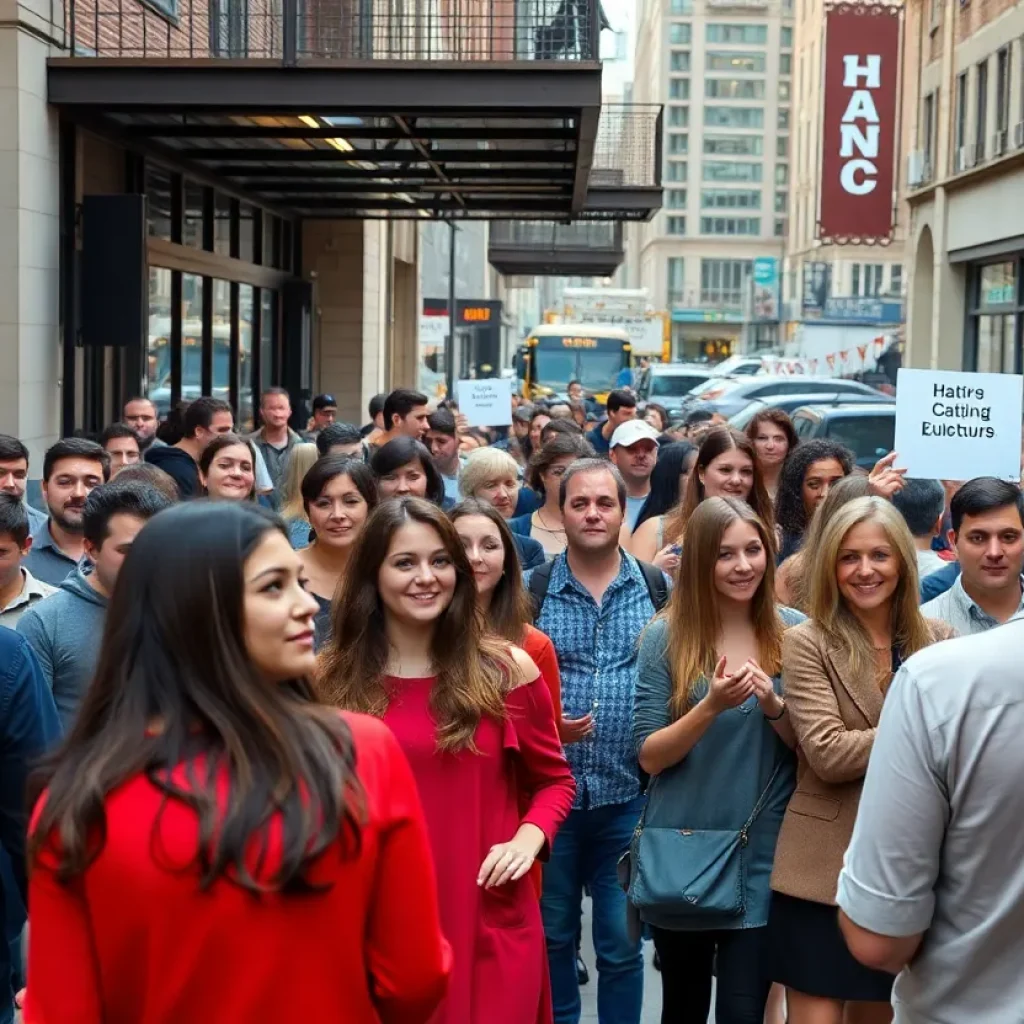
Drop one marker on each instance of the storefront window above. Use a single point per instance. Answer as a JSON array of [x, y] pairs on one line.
[[191, 336], [221, 224], [995, 318], [996, 344], [998, 285], [246, 215], [158, 202], [245, 314], [158, 345], [268, 332], [192, 232], [221, 331]]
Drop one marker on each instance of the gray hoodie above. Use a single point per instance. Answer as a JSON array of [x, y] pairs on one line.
[[65, 631]]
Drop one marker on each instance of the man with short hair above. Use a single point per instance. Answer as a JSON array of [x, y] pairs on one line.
[[14, 477], [203, 420], [922, 503], [405, 415], [65, 630], [933, 878], [443, 442], [596, 605], [634, 451], [275, 439], [341, 439], [325, 412], [122, 444], [72, 469], [988, 537], [621, 406], [19, 589], [140, 414], [372, 430]]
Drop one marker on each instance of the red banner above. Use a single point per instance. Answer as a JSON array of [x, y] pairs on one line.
[[862, 47]]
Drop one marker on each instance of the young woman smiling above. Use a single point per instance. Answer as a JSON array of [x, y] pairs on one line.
[[213, 844], [865, 621], [476, 721], [338, 495], [772, 434], [710, 727], [226, 469]]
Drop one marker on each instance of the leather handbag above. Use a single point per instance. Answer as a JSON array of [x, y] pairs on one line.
[[701, 872]]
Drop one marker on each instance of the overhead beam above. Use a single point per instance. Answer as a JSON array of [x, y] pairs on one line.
[[380, 156], [250, 174], [586, 136], [350, 132], [470, 203]]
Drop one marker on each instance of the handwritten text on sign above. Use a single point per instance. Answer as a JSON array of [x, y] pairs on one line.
[[486, 403], [956, 426]]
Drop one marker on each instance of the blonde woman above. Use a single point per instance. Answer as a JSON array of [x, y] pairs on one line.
[[864, 621], [293, 512], [710, 726]]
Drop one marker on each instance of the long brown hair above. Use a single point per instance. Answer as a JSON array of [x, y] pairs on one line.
[[693, 616], [510, 610], [473, 668], [717, 441]]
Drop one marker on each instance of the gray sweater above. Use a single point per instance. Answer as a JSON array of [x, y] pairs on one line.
[[65, 631]]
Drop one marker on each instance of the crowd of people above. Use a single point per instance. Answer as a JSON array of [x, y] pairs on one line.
[[344, 723]]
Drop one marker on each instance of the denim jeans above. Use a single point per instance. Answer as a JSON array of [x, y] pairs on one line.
[[586, 851]]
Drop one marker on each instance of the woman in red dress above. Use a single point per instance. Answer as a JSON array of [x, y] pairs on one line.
[[476, 720], [212, 844]]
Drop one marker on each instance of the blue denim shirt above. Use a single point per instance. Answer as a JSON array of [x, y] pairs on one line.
[[597, 650]]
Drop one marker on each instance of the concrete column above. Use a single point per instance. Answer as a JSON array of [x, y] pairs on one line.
[[29, 238]]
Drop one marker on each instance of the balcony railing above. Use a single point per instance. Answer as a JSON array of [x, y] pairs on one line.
[[628, 145], [584, 248], [290, 31]]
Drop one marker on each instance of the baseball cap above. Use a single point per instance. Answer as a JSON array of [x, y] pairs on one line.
[[324, 402], [631, 431]]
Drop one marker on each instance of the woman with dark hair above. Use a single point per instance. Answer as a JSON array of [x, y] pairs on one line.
[[475, 718], [338, 495], [658, 417], [544, 475], [403, 468], [668, 481], [774, 437], [213, 843], [227, 469], [726, 467]]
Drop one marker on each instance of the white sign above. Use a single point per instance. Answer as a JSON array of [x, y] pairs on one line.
[[485, 403], [956, 426], [433, 330]]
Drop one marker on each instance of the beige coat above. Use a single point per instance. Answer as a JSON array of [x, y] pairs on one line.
[[834, 716]]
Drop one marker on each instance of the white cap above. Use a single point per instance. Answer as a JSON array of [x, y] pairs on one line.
[[631, 431]]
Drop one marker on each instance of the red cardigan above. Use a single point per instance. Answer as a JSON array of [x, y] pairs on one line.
[[134, 941]]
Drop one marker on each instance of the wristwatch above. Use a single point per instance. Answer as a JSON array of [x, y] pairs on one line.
[[782, 711]]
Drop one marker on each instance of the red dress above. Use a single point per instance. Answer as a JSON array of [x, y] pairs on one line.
[[132, 941], [472, 801]]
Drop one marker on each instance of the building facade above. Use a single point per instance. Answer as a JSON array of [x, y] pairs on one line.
[[723, 69], [964, 98]]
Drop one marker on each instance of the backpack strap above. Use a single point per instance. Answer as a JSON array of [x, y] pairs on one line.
[[657, 586], [540, 580]]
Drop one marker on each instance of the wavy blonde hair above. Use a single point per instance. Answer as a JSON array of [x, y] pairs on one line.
[[300, 461], [829, 609], [693, 617]]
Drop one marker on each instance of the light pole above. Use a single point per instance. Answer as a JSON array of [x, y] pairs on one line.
[[450, 365]]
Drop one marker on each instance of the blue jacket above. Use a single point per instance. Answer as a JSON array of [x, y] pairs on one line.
[[28, 726], [938, 582], [531, 552], [522, 526]]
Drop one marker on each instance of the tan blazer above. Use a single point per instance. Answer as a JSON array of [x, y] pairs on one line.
[[834, 716]]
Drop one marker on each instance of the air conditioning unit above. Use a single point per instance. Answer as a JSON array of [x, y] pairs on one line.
[[999, 142], [973, 155], [915, 169], [1018, 135]]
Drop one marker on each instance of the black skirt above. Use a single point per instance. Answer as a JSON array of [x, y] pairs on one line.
[[806, 952]]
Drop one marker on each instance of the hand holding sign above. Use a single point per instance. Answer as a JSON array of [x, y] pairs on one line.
[[486, 403], [885, 480]]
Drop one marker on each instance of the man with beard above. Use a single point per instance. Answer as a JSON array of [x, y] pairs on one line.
[[140, 414], [65, 630], [72, 469], [14, 477]]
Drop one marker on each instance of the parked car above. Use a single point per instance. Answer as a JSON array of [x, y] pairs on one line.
[[867, 429], [738, 366], [668, 384], [728, 395], [790, 403]]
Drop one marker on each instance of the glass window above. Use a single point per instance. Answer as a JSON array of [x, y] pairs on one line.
[[782, 174], [896, 279], [679, 117], [734, 145], [752, 35], [675, 198], [676, 170], [675, 225], [678, 142], [726, 60], [246, 234], [192, 231], [716, 170], [158, 345], [221, 332], [997, 285], [782, 146], [675, 279], [679, 89], [785, 64], [780, 228], [781, 201], [246, 297], [679, 60], [679, 33], [191, 336], [681, 7], [159, 208], [783, 120], [784, 89], [722, 281], [730, 225], [268, 336], [786, 37], [868, 437], [734, 88], [221, 224], [995, 352], [730, 199], [733, 117]]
